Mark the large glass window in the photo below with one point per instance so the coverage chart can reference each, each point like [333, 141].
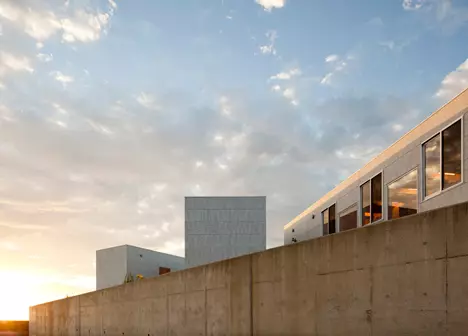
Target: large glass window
[365, 198]
[329, 220]
[348, 218]
[403, 195]
[443, 157]
[376, 195]
[325, 222]
[371, 198]
[432, 165]
[332, 218]
[451, 155]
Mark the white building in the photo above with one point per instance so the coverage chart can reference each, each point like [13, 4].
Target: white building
[424, 170]
[218, 228]
[115, 263]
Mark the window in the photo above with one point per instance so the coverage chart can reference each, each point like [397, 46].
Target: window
[371, 200]
[432, 165]
[365, 197]
[164, 270]
[325, 222]
[329, 220]
[332, 217]
[348, 218]
[376, 196]
[443, 157]
[451, 155]
[403, 195]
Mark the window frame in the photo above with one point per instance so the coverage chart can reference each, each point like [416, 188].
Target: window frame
[355, 204]
[418, 189]
[384, 212]
[336, 222]
[422, 178]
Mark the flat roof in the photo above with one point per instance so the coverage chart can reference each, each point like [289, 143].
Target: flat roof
[439, 116]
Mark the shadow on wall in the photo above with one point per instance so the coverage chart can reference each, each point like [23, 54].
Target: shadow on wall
[14, 328]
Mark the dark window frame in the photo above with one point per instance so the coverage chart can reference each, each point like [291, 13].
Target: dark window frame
[422, 178]
[330, 218]
[382, 199]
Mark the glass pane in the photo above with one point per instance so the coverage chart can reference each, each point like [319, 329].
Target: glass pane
[325, 222]
[332, 219]
[403, 196]
[432, 166]
[376, 183]
[348, 219]
[365, 197]
[451, 155]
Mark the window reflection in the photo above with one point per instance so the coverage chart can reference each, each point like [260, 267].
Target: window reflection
[365, 197]
[332, 220]
[325, 222]
[451, 155]
[348, 218]
[376, 211]
[432, 165]
[403, 196]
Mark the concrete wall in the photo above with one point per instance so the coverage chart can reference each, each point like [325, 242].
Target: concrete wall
[397, 160]
[113, 264]
[402, 277]
[218, 228]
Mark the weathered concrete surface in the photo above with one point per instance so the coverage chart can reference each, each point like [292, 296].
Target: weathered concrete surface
[402, 277]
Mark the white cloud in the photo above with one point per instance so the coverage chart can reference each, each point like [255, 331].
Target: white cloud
[268, 5]
[99, 128]
[290, 94]
[39, 45]
[147, 101]
[397, 127]
[60, 77]
[337, 65]
[82, 26]
[45, 57]
[276, 88]
[270, 47]
[113, 4]
[10, 62]
[326, 80]
[331, 58]
[413, 4]
[454, 83]
[225, 105]
[287, 74]
[38, 24]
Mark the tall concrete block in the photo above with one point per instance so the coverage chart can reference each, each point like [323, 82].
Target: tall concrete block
[218, 228]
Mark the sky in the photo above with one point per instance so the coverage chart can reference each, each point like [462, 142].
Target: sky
[112, 111]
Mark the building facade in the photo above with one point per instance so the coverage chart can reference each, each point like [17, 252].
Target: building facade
[115, 263]
[218, 228]
[425, 169]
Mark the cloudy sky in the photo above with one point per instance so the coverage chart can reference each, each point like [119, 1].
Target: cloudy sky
[112, 111]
